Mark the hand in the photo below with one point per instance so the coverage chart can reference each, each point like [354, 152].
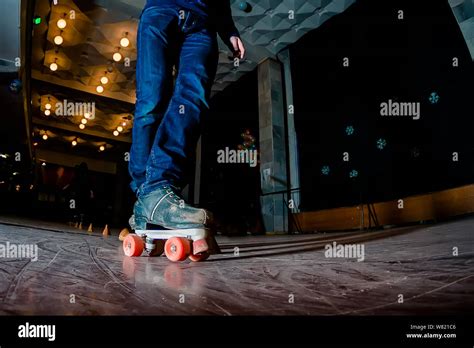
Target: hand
[238, 46]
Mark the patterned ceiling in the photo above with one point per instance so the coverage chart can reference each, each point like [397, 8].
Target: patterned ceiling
[463, 11]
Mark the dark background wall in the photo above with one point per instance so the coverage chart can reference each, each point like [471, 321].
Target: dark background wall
[232, 190]
[403, 60]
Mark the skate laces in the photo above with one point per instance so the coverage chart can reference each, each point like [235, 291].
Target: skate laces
[175, 197]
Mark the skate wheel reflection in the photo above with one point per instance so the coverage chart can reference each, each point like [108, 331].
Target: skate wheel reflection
[174, 276]
[129, 267]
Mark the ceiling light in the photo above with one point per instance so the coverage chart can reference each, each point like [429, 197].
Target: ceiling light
[117, 57]
[116, 133]
[120, 128]
[124, 124]
[58, 40]
[82, 126]
[47, 112]
[104, 80]
[87, 115]
[61, 23]
[124, 42]
[35, 144]
[74, 143]
[99, 89]
[45, 136]
[53, 67]
[48, 106]
[84, 121]
[102, 148]
[43, 164]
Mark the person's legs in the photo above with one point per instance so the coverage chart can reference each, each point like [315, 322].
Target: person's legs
[158, 201]
[177, 135]
[156, 34]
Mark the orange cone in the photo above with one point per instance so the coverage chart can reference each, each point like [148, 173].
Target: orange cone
[106, 231]
[80, 225]
[124, 233]
[90, 229]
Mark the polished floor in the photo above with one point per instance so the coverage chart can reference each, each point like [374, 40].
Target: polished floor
[409, 270]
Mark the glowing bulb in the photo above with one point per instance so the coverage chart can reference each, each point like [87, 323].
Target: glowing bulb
[84, 121]
[47, 112]
[124, 124]
[53, 67]
[61, 24]
[43, 164]
[48, 106]
[124, 42]
[99, 89]
[120, 128]
[102, 148]
[45, 136]
[87, 115]
[82, 126]
[116, 133]
[117, 57]
[74, 143]
[104, 80]
[58, 40]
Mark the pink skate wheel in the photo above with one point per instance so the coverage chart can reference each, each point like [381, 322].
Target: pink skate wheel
[199, 257]
[133, 245]
[177, 249]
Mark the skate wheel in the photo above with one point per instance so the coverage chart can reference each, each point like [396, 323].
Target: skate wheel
[199, 257]
[133, 245]
[177, 249]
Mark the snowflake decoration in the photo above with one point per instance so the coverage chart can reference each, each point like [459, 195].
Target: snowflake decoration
[350, 130]
[434, 98]
[381, 143]
[325, 170]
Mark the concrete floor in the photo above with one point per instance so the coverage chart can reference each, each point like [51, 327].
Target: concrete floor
[81, 274]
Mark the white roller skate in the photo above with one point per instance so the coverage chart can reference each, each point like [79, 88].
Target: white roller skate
[163, 222]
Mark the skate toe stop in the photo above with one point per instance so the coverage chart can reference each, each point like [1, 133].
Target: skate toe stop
[200, 246]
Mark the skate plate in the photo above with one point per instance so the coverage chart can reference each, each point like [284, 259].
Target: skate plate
[193, 234]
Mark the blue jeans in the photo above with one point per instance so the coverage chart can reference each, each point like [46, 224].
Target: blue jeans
[168, 118]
